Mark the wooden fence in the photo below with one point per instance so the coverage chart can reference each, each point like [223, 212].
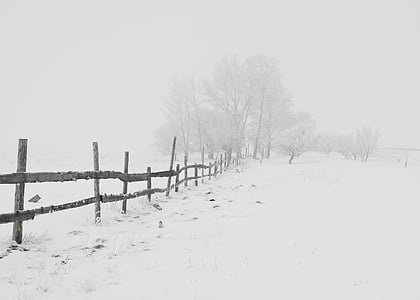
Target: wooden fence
[21, 177]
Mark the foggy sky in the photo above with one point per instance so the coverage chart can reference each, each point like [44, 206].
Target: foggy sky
[76, 71]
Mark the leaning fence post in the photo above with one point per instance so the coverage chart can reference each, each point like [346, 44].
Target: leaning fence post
[149, 183]
[96, 183]
[215, 168]
[171, 166]
[125, 183]
[186, 170]
[221, 163]
[20, 189]
[196, 174]
[177, 178]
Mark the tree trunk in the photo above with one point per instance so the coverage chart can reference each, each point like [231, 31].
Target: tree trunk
[257, 139]
[291, 158]
[268, 149]
[229, 155]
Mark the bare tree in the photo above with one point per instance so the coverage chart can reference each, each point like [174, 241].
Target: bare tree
[179, 114]
[262, 77]
[215, 136]
[194, 98]
[367, 140]
[297, 139]
[346, 145]
[179, 104]
[277, 116]
[326, 142]
[226, 93]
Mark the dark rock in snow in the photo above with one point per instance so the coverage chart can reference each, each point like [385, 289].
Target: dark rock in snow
[157, 206]
[35, 199]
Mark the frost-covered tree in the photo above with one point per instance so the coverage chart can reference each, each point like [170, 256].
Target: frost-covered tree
[326, 142]
[183, 116]
[271, 102]
[346, 145]
[262, 76]
[226, 93]
[215, 136]
[277, 116]
[298, 138]
[367, 140]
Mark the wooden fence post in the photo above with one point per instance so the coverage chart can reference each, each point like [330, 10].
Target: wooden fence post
[226, 162]
[149, 183]
[96, 187]
[215, 168]
[196, 174]
[171, 166]
[20, 189]
[221, 163]
[186, 170]
[125, 183]
[209, 171]
[177, 178]
[202, 162]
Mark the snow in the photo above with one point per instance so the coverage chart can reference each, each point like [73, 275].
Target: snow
[322, 228]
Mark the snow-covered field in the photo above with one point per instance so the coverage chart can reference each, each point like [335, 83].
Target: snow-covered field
[322, 228]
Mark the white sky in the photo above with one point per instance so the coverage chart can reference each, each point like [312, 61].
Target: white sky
[76, 71]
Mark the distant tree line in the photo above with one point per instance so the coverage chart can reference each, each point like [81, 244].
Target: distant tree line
[357, 146]
[243, 106]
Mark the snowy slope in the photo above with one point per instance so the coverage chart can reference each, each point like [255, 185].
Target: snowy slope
[323, 228]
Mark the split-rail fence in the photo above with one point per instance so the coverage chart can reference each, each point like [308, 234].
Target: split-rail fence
[22, 177]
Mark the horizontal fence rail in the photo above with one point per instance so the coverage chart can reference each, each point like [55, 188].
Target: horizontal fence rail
[21, 177]
[31, 213]
[42, 177]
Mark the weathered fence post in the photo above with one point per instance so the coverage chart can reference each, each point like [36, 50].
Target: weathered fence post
[186, 170]
[209, 171]
[196, 174]
[96, 187]
[221, 163]
[202, 162]
[177, 178]
[226, 162]
[171, 166]
[215, 168]
[149, 183]
[20, 189]
[125, 183]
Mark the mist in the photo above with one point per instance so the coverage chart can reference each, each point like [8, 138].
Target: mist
[75, 72]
